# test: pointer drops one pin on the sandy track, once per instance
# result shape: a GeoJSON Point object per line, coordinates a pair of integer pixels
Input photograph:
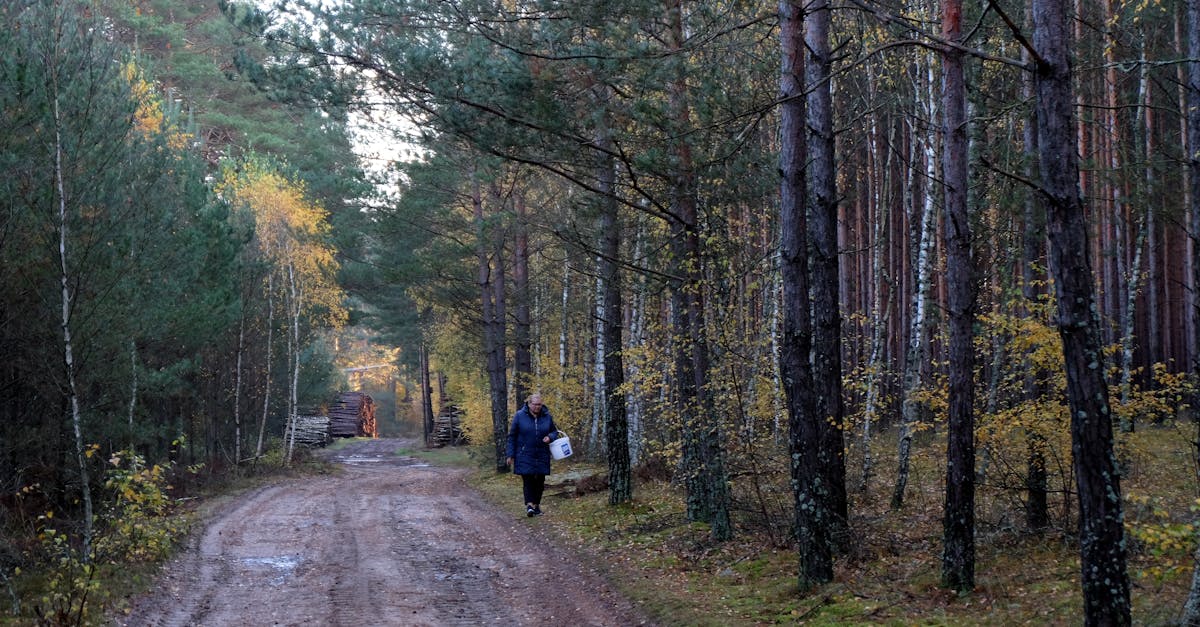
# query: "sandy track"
{"type": "Point", "coordinates": [389, 541]}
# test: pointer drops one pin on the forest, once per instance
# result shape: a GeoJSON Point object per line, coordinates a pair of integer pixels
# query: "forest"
{"type": "Point", "coordinates": [790, 253]}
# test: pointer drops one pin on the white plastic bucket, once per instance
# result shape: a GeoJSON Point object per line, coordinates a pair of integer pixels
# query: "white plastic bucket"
{"type": "Point", "coordinates": [561, 448]}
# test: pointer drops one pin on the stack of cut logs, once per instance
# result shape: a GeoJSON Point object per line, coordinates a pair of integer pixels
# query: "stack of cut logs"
{"type": "Point", "coordinates": [312, 431]}
{"type": "Point", "coordinates": [353, 415]}
{"type": "Point", "coordinates": [447, 427]}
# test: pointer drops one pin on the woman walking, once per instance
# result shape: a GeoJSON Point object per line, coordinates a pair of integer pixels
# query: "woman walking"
{"type": "Point", "coordinates": [529, 440]}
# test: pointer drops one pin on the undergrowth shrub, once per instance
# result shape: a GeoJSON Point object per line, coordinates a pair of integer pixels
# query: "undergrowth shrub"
{"type": "Point", "coordinates": [73, 584]}
{"type": "Point", "coordinates": [1155, 533]}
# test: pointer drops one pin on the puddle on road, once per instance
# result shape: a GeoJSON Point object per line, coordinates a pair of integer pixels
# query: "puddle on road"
{"type": "Point", "coordinates": [361, 460]}
{"type": "Point", "coordinates": [398, 461]}
{"type": "Point", "coordinates": [283, 566]}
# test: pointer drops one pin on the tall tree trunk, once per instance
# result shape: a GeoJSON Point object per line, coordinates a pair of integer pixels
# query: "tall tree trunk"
{"type": "Point", "coordinates": [958, 524]}
{"type": "Point", "coordinates": [522, 355]}
{"type": "Point", "coordinates": [1116, 183]}
{"type": "Point", "coordinates": [1134, 276]}
{"type": "Point", "coordinates": [637, 316]}
{"type": "Point", "coordinates": [237, 391]}
{"type": "Point", "coordinates": [563, 327]}
{"type": "Point", "coordinates": [918, 343]}
{"type": "Point", "coordinates": [1105, 580]}
{"type": "Point", "coordinates": [426, 397]}
{"type": "Point", "coordinates": [1132, 285]}
{"type": "Point", "coordinates": [262, 423]}
{"type": "Point", "coordinates": [808, 482]}
{"type": "Point", "coordinates": [880, 310]}
{"type": "Point", "coordinates": [1187, 104]}
{"type": "Point", "coordinates": [294, 352]}
{"type": "Point", "coordinates": [599, 406]}
{"type": "Point", "coordinates": [133, 386]}
{"type": "Point", "coordinates": [1154, 334]}
{"type": "Point", "coordinates": [65, 319]}
{"type": "Point", "coordinates": [778, 406]}
{"type": "Point", "coordinates": [1191, 608]}
{"type": "Point", "coordinates": [490, 289]}
{"type": "Point", "coordinates": [875, 365]}
{"type": "Point", "coordinates": [1037, 512]}
{"type": "Point", "coordinates": [821, 198]}
{"type": "Point", "coordinates": [708, 489]}
{"type": "Point", "coordinates": [616, 428]}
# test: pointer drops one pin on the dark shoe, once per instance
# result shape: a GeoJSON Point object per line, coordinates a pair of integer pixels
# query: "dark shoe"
{"type": "Point", "coordinates": [537, 510]}
{"type": "Point", "coordinates": [531, 512]}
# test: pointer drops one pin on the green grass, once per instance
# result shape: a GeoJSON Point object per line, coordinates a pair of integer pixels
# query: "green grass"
{"type": "Point", "coordinates": [340, 443]}
{"type": "Point", "coordinates": [445, 456]}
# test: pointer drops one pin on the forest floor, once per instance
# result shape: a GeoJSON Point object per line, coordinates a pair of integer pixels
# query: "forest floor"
{"type": "Point", "coordinates": [384, 539]}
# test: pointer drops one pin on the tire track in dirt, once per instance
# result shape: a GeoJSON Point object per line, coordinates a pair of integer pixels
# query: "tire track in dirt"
{"type": "Point", "coordinates": [388, 541]}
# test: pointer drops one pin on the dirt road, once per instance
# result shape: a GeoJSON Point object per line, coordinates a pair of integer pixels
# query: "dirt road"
{"type": "Point", "coordinates": [389, 541]}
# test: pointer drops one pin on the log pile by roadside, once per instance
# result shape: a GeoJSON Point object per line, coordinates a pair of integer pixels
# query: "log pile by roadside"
{"type": "Point", "coordinates": [447, 427]}
{"type": "Point", "coordinates": [312, 431]}
{"type": "Point", "coordinates": [353, 415]}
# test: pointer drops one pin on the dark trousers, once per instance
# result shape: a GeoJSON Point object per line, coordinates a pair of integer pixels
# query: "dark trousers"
{"type": "Point", "coordinates": [533, 486]}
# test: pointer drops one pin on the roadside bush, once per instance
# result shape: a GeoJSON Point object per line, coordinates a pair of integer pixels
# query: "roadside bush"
{"type": "Point", "coordinates": [134, 526]}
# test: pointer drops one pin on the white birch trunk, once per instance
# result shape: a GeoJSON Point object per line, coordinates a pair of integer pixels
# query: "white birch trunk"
{"type": "Point", "coordinates": [262, 425]}
{"type": "Point", "coordinates": [294, 344]}
{"type": "Point", "coordinates": [562, 334]}
{"type": "Point", "coordinates": [1133, 284]}
{"type": "Point", "coordinates": [917, 342]}
{"type": "Point", "coordinates": [635, 338]}
{"type": "Point", "coordinates": [778, 426]}
{"type": "Point", "coordinates": [598, 398]}
{"type": "Point", "coordinates": [879, 316]}
{"type": "Point", "coordinates": [133, 387]}
{"type": "Point", "coordinates": [1133, 276]}
{"type": "Point", "coordinates": [68, 347]}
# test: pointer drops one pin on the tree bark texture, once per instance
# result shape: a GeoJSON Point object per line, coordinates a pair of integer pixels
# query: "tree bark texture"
{"type": "Point", "coordinates": [65, 280]}
{"type": "Point", "coordinates": [616, 428]}
{"type": "Point", "coordinates": [491, 293]}
{"type": "Point", "coordinates": [804, 434]}
{"type": "Point", "coordinates": [958, 523]}
{"type": "Point", "coordinates": [918, 343]}
{"type": "Point", "coordinates": [522, 339]}
{"type": "Point", "coordinates": [1105, 580]}
{"type": "Point", "coordinates": [821, 198]}
{"type": "Point", "coordinates": [1191, 608]}
{"type": "Point", "coordinates": [1037, 512]}
{"type": "Point", "coordinates": [266, 407]}
{"type": "Point", "coordinates": [294, 305]}
{"type": "Point", "coordinates": [426, 396]}
{"type": "Point", "coordinates": [708, 489]}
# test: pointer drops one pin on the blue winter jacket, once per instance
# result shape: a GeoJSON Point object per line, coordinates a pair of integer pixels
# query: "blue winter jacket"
{"type": "Point", "coordinates": [531, 456]}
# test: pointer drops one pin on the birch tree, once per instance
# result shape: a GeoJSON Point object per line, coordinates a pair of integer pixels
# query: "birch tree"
{"type": "Point", "coordinates": [291, 234]}
{"type": "Point", "coordinates": [58, 69]}
{"type": "Point", "coordinates": [916, 351]}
